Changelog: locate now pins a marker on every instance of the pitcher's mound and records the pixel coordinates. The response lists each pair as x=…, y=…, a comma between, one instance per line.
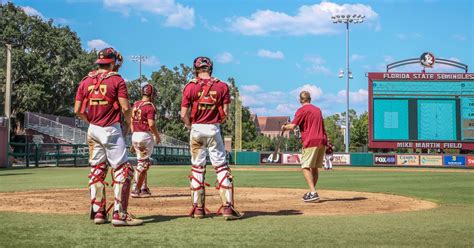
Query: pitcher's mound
x=251, y=201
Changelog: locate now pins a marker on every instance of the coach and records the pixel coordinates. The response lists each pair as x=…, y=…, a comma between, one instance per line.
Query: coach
x=310, y=121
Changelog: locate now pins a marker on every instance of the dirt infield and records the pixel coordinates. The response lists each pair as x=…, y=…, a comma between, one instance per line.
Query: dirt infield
x=168, y=201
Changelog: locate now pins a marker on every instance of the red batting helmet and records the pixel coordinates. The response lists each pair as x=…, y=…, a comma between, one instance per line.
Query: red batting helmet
x=149, y=90
x=106, y=56
x=201, y=62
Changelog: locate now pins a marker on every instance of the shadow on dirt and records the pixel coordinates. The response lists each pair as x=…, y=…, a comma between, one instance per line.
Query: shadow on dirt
x=341, y=199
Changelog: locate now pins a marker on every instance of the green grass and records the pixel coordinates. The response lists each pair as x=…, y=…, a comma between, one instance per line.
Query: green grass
x=451, y=224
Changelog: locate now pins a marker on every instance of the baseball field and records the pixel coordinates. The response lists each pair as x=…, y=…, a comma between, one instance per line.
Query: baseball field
x=48, y=207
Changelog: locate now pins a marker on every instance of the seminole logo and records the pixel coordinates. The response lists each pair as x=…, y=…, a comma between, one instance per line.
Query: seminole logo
x=427, y=59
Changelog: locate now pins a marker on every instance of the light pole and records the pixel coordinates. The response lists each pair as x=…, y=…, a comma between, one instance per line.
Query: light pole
x=347, y=19
x=139, y=59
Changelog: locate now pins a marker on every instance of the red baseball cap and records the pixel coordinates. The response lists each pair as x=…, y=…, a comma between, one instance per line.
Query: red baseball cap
x=106, y=56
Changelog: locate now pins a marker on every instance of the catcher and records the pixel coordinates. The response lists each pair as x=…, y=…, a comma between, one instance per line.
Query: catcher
x=204, y=106
x=100, y=100
x=328, y=158
x=144, y=137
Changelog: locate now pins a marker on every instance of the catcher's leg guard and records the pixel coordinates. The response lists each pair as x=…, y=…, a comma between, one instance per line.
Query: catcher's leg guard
x=140, y=177
x=122, y=179
x=122, y=176
x=198, y=191
x=225, y=185
x=97, y=192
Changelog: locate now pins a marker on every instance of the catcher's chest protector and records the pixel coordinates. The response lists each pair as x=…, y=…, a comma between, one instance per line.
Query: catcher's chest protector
x=137, y=112
x=207, y=98
x=97, y=90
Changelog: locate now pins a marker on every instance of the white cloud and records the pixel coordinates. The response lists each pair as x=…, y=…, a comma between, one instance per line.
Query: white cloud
x=357, y=57
x=225, y=58
x=314, y=90
x=97, y=44
x=406, y=36
x=208, y=26
x=459, y=37
x=32, y=11
x=151, y=61
x=359, y=96
x=316, y=65
x=286, y=103
x=251, y=88
x=310, y=19
x=176, y=14
x=271, y=55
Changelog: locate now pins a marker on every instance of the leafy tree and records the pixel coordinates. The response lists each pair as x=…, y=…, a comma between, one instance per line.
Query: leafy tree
x=359, y=132
x=47, y=62
x=334, y=131
x=170, y=84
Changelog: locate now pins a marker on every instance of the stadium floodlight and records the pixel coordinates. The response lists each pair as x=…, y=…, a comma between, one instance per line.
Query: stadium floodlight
x=139, y=59
x=347, y=19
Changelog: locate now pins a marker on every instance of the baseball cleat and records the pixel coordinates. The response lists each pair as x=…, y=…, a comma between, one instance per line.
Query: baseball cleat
x=100, y=218
x=125, y=219
x=199, y=213
x=135, y=193
x=145, y=193
x=230, y=213
x=310, y=197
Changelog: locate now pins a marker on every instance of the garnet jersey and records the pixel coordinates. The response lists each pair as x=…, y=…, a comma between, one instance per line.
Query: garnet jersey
x=310, y=120
x=142, y=112
x=100, y=111
x=206, y=114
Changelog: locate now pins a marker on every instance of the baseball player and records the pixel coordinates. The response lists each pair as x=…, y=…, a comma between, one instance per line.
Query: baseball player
x=100, y=100
x=313, y=135
x=204, y=107
x=144, y=137
x=329, y=156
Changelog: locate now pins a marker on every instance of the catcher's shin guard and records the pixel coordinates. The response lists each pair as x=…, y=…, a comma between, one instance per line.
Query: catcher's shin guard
x=198, y=191
x=225, y=185
x=122, y=176
x=97, y=192
x=141, y=174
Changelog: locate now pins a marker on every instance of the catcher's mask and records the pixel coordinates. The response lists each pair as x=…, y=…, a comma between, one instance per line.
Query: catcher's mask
x=149, y=90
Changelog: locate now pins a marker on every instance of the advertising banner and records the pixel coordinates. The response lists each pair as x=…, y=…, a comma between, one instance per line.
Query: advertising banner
x=268, y=158
x=294, y=158
x=470, y=161
x=431, y=160
x=341, y=159
x=455, y=161
x=385, y=159
x=409, y=159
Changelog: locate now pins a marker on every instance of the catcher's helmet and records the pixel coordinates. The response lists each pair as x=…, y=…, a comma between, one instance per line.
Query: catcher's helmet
x=149, y=90
x=118, y=62
x=107, y=56
x=201, y=62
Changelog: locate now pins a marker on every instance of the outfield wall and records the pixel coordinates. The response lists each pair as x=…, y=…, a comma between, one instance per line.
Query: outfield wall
x=362, y=159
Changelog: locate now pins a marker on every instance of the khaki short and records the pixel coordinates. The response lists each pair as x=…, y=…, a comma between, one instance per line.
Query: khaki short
x=312, y=157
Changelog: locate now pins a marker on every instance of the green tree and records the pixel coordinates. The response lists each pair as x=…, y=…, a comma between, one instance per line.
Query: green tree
x=359, y=132
x=47, y=62
x=334, y=131
x=170, y=84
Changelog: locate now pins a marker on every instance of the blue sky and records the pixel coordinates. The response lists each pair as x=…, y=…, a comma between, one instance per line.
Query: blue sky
x=272, y=48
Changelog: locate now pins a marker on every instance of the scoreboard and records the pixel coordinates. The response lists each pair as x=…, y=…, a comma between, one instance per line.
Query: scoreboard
x=421, y=110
